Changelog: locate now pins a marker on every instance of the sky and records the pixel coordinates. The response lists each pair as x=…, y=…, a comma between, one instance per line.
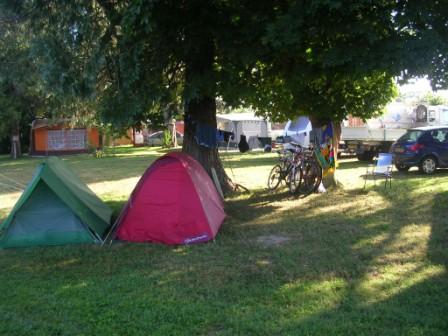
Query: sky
x=420, y=86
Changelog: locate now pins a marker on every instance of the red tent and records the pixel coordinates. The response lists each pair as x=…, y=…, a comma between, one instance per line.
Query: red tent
x=175, y=202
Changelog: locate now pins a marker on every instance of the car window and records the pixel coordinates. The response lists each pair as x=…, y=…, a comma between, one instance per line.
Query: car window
x=411, y=136
x=442, y=135
x=432, y=115
x=438, y=135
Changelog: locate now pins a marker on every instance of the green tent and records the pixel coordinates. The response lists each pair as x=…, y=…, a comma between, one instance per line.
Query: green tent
x=56, y=208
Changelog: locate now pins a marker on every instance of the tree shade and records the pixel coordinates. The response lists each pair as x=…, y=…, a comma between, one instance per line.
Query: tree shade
x=142, y=60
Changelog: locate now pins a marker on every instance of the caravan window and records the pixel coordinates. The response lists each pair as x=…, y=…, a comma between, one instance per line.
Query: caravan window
x=432, y=115
x=444, y=116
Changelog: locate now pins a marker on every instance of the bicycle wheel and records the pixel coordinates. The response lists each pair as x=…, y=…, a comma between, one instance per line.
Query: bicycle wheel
x=311, y=177
x=275, y=177
x=295, y=179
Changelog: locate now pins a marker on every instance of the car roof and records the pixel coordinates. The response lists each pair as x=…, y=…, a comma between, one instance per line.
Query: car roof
x=428, y=128
x=158, y=132
x=155, y=133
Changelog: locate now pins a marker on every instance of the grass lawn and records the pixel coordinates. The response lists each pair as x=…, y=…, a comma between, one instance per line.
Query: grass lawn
x=348, y=262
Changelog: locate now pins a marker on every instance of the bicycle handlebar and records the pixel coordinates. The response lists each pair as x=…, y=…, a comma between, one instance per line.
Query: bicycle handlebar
x=295, y=144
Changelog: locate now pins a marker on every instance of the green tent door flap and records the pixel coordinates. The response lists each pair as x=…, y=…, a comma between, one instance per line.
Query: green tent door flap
x=56, y=208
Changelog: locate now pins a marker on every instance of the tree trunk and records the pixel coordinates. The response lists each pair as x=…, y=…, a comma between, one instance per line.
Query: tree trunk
x=204, y=111
x=201, y=108
x=330, y=179
x=16, y=150
x=337, y=129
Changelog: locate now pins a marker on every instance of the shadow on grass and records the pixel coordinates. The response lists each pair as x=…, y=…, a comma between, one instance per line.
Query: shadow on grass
x=257, y=204
x=438, y=243
x=357, y=263
x=247, y=160
x=416, y=308
x=116, y=207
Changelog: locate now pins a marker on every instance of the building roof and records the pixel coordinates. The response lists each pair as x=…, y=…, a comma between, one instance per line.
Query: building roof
x=44, y=122
x=39, y=123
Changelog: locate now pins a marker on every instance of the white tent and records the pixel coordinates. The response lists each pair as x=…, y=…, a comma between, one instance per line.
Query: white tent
x=247, y=124
x=299, y=130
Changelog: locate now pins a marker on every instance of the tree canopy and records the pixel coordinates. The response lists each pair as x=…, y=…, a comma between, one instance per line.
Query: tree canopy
x=327, y=58
x=20, y=95
x=431, y=98
x=138, y=60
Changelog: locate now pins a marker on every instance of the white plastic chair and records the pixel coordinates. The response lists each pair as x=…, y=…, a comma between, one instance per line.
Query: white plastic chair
x=382, y=169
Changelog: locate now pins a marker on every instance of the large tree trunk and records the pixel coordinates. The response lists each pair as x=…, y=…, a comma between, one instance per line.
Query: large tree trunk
x=201, y=109
x=337, y=129
x=16, y=150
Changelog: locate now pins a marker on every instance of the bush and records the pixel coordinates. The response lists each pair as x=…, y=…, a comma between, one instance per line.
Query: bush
x=167, y=140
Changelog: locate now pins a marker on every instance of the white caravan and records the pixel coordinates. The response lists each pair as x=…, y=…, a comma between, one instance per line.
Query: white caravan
x=376, y=135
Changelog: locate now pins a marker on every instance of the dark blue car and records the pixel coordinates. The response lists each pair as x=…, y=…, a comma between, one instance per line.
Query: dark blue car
x=423, y=147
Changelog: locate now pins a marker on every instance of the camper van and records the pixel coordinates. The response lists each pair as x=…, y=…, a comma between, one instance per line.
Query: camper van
x=367, y=139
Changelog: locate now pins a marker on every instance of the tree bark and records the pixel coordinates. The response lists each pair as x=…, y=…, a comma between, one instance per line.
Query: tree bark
x=201, y=108
x=337, y=129
x=204, y=111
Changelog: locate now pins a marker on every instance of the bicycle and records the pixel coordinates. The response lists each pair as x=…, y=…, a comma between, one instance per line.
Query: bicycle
x=311, y=172
x=287, y=170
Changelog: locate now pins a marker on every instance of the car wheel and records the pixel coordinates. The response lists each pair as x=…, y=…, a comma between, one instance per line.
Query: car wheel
x=402, y=167
x=428, y=165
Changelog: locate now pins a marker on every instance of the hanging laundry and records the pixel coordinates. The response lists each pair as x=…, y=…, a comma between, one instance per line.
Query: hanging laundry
x=219, y=135
x=228, y=136
x=205, y=135
x=225, y=136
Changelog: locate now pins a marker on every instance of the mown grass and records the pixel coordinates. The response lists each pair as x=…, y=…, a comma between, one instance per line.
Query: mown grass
x=347, y=262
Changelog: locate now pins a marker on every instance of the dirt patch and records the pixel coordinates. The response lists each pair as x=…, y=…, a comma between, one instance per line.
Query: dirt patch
x=272, y=240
